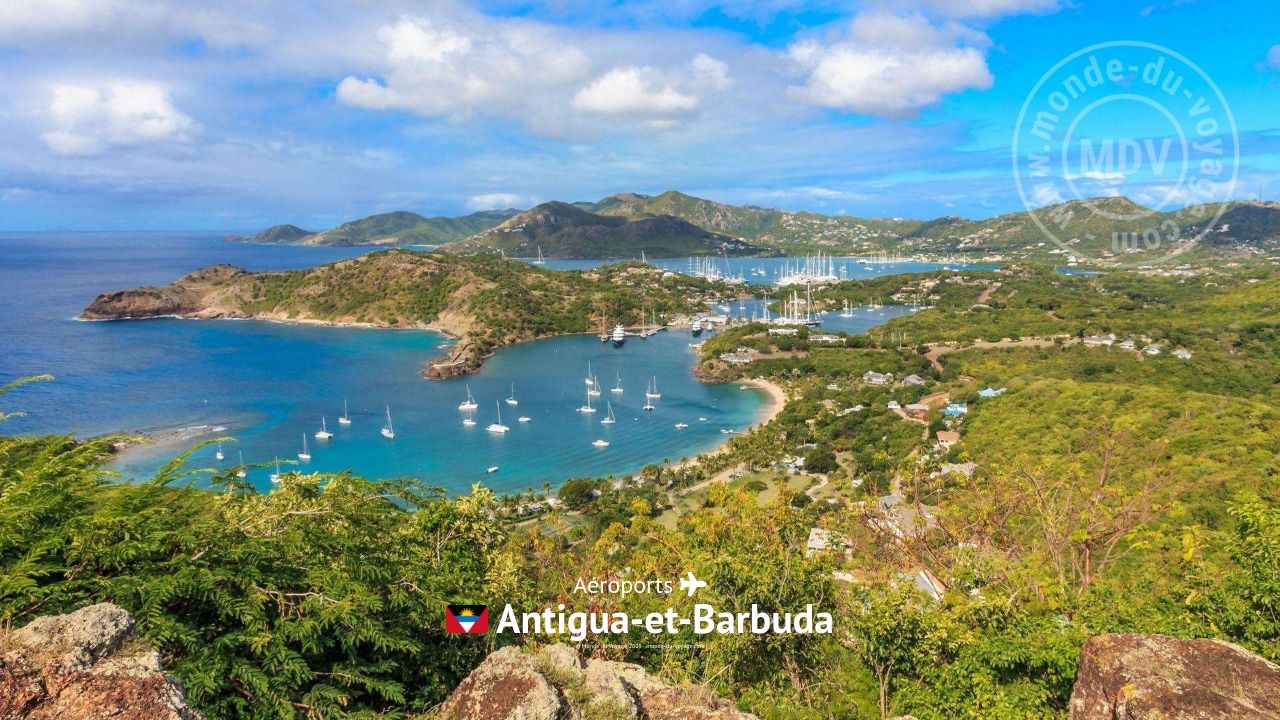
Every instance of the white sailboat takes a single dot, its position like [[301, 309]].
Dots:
[[218, 455], [469, 420], [241, 473], [323, 433], [609, 419], [594, 389], [587, 408], [652, 393], [601, 443], [346, 415], [469, 403], [541, 260], [590, 378], [498, 427], [617, 387], [306, 453], [512, 400], [388, 431], [275, 476]]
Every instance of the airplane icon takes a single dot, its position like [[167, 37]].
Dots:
[[692, 583]]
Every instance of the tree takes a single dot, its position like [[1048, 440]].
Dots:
[[890, 631]]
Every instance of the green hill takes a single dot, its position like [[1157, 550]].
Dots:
[[393, 228], [562, 230]]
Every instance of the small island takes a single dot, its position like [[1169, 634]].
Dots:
[[485, 302]]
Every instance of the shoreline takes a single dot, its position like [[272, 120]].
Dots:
[[776, 400]]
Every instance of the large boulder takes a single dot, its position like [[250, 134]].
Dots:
[[556, 683], [1153, 677], [77, 666], [506, 686]]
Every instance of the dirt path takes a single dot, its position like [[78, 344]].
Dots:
[[986, 294], [937, 351]]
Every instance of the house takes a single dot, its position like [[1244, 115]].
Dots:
[[1182, 354], [782, 331], [917, 410], [741, 356], [891, 513], [947, 438], [913, 380], [1152, 349], [1128, 345], [893, 405], [826, 338], [928, 583], [955, 409], [822, 540], [871, 377], [1098, 340], [965, 469], [991, 392]]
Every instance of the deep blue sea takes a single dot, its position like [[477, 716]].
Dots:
[[268, 384]]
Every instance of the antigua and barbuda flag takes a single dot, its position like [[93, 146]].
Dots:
[[466, 619]]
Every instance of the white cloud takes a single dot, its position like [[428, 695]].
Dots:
[[87, 120], [497, 201], [653, 95], [891, 66], [444, 66]]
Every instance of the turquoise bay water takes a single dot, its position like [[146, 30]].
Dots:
[[269, 383]]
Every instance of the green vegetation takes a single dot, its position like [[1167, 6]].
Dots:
[[1096, 489], [393, 228], [561, 230]]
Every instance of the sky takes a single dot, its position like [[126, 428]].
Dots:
[[236, 115]]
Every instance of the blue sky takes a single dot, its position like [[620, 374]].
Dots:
[[145, 114]]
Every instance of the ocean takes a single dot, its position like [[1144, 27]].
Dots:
[[267, 385]]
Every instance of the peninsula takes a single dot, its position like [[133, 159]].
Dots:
[[485, 302]]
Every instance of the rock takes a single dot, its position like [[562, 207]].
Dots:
[[73, 666], [562, 660], [511, 685], [1153, 677], [603, 684], [506, 686], [689, 703]]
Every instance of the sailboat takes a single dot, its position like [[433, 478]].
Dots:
[[469, 420], [469, 403], [643, 259], [388, 431], [512, 400], [594, 390], [617, 387], [498, 427], [275, 476], [306, 453], [590, 378], [848, 311], [587, 408], [346, 416], [610, 419], [601, 443], [241, 473], [541, 260], [652, 393], [323, 433], [218, 455]]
